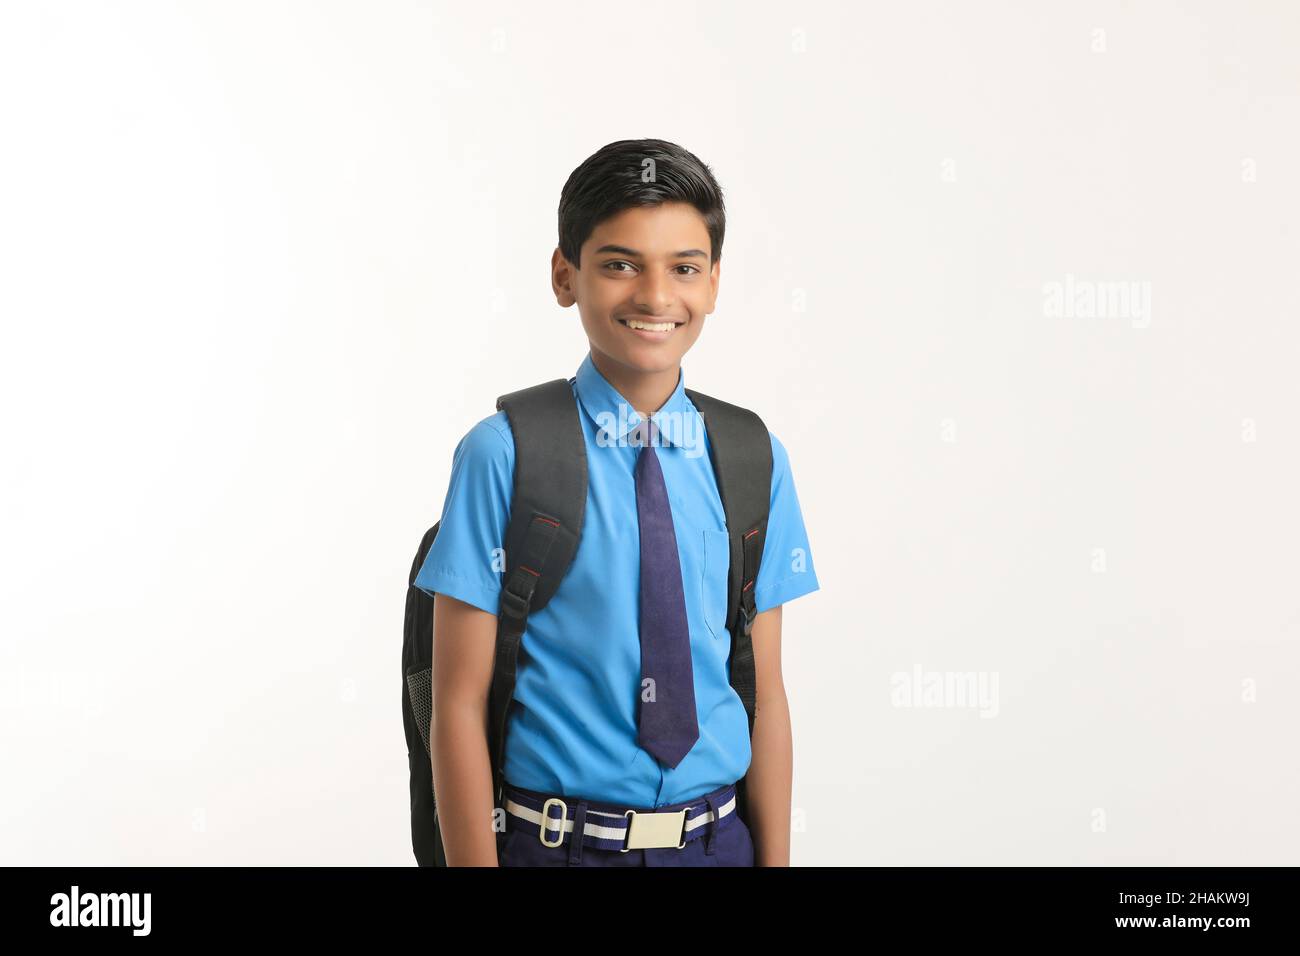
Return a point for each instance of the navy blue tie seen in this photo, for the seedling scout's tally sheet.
(667, 724)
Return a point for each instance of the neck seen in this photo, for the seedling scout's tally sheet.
(646, 392)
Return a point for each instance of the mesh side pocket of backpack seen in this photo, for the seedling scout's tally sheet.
(419, 685)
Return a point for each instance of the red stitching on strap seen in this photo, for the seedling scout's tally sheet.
(749, 533)
(547, 520)
(748, 586)
(530, 570)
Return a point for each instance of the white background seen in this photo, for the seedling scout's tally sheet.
(263, 263)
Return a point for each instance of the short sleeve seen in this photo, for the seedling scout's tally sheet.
(466, 559)
(786, 571)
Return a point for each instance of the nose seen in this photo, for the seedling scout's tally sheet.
(654, 294)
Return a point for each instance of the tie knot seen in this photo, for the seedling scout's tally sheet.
(645, 432)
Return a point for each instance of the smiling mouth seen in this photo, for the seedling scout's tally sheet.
(646, 325)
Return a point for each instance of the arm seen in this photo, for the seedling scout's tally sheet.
(464, 644)
(771, 767)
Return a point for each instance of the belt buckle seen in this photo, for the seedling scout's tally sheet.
(649, 829)
(564, 815)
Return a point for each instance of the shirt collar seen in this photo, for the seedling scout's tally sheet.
(614, 414)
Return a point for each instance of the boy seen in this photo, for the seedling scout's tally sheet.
(641, 225)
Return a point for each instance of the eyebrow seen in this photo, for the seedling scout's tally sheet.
(625, 251)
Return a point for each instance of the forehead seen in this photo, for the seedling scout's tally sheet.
(662, 228)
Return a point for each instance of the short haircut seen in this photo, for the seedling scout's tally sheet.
(637, 172)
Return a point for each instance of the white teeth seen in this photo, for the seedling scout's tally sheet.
(649, 326)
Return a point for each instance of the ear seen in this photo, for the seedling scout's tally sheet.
(714, 274)
(563, 279)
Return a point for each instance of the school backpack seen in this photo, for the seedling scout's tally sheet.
(550, 494)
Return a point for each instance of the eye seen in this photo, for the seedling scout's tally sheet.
(685, 265)
(618, 262)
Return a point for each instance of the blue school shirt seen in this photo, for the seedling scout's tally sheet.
(572, 726)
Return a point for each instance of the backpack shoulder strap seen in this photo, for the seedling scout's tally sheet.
(741, 451)
(550, 495)
(550, 491)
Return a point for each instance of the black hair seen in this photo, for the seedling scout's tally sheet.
(637, 172)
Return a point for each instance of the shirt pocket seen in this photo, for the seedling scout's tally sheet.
(717, 570)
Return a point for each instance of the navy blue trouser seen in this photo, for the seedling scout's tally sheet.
(719, 842)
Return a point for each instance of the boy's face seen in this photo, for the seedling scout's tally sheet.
(646, 264)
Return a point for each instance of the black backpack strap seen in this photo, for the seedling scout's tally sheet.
(741, 451)
(550, 495)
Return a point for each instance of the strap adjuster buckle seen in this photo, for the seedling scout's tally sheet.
(546, 819)
(747, 615)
